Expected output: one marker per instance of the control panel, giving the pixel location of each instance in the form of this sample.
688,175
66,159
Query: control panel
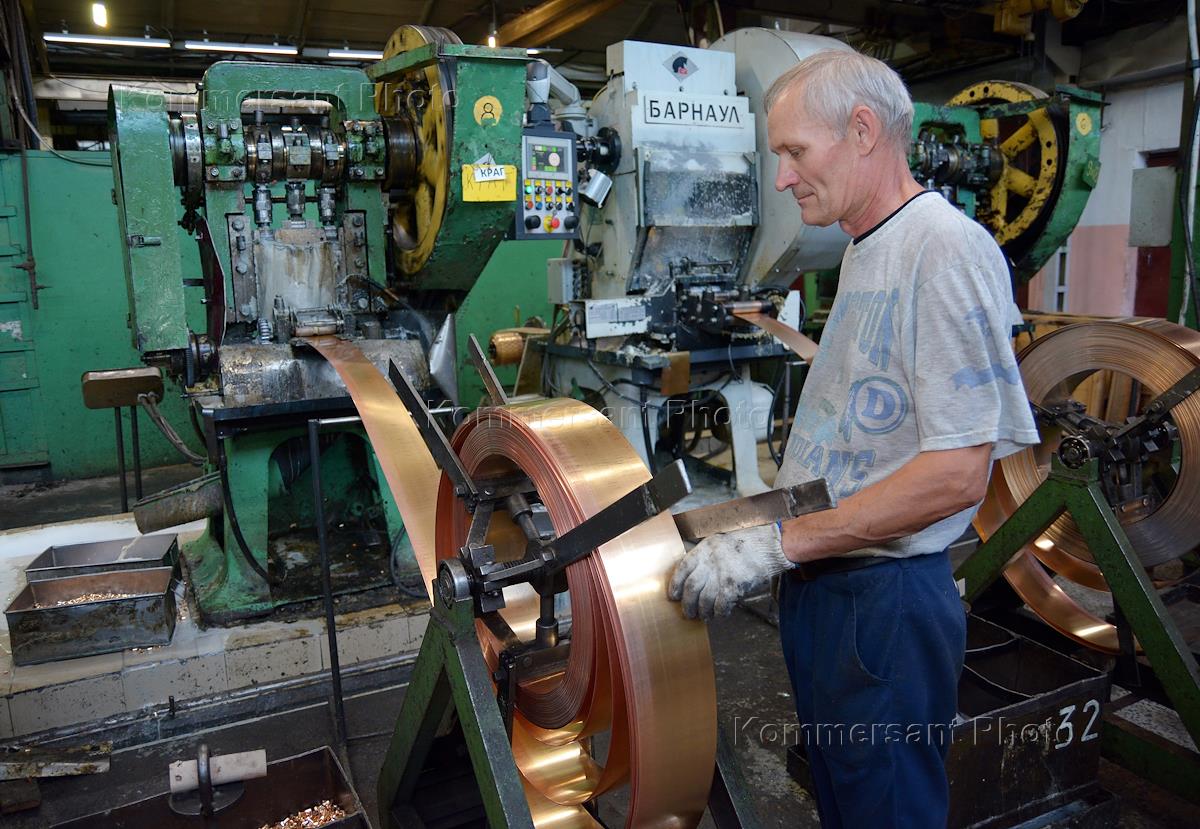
546,204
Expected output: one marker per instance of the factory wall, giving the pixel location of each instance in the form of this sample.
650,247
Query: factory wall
1101,265
80,324
1140,72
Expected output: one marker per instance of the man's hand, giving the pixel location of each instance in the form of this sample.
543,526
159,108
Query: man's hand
724,567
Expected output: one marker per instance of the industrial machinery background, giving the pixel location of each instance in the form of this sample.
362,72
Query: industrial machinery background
685,239
384,229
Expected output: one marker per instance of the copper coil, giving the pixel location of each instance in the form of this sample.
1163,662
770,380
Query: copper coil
1155,354
636,669
505,347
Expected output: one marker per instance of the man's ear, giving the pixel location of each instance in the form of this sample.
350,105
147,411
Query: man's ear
866,129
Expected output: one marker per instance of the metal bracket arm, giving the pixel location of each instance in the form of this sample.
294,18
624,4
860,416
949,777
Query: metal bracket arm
631,509
445,457
755,510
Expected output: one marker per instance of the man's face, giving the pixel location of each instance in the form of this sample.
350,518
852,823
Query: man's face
816,165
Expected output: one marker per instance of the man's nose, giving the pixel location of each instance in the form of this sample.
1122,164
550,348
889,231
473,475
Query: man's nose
784,178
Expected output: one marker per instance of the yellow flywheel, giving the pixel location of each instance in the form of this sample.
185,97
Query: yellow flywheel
1032,150
425,98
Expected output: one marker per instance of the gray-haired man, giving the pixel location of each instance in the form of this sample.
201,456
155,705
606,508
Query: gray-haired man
913,394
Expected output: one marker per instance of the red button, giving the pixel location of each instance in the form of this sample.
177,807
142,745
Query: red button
529,205
554,223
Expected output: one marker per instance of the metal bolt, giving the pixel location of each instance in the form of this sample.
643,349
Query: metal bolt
378,171
237,172
356,220
210,127
239,223
213,172
359,262
358,173
241,267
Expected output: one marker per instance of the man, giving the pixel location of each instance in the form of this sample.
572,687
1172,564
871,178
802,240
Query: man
915,391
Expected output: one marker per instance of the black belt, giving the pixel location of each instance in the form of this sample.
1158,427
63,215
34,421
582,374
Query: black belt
810,570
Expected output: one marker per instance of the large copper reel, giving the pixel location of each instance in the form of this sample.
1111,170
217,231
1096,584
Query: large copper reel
1115,367
637,672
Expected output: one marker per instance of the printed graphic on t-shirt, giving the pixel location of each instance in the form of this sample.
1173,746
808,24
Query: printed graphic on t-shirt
1002,366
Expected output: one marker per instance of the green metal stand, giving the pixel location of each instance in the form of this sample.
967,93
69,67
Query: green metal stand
451,678
451,675
1078,492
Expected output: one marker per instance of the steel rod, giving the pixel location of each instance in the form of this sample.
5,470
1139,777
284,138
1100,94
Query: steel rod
335,670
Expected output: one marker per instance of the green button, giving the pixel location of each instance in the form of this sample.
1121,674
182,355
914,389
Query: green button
528,188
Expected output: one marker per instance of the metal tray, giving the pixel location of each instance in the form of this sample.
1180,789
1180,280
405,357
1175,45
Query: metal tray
41,632
137,553
290,785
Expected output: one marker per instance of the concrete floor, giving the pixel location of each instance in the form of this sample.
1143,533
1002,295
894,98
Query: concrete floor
751,682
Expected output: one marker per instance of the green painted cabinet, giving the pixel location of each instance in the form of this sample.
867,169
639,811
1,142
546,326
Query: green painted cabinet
81,322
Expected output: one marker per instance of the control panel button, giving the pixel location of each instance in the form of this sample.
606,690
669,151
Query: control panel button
553,222
533,222
569,223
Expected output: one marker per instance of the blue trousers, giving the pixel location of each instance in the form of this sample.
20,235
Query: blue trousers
874,657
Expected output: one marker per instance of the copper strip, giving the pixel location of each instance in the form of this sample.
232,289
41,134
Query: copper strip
793,339
636,668
411,474
1156,354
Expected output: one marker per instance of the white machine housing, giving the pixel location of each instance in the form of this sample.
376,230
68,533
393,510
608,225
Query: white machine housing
685,189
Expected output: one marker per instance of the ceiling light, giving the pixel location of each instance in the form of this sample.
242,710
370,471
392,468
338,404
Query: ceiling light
355,54
106,40
100,15
492,40
253,48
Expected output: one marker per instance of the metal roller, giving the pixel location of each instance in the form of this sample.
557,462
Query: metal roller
1154,354
508,344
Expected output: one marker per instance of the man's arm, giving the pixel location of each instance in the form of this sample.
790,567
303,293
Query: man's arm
930,487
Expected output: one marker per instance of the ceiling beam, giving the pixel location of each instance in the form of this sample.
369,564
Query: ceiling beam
33,30
561,24
300,33
426,10
642,18
532,20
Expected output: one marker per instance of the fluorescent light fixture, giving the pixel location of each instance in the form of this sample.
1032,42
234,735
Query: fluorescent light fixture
355,54
107,40
253,48
100,15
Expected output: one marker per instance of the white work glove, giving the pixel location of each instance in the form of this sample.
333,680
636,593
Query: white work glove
724,567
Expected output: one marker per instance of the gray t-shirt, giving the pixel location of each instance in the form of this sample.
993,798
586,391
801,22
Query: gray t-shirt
915,357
